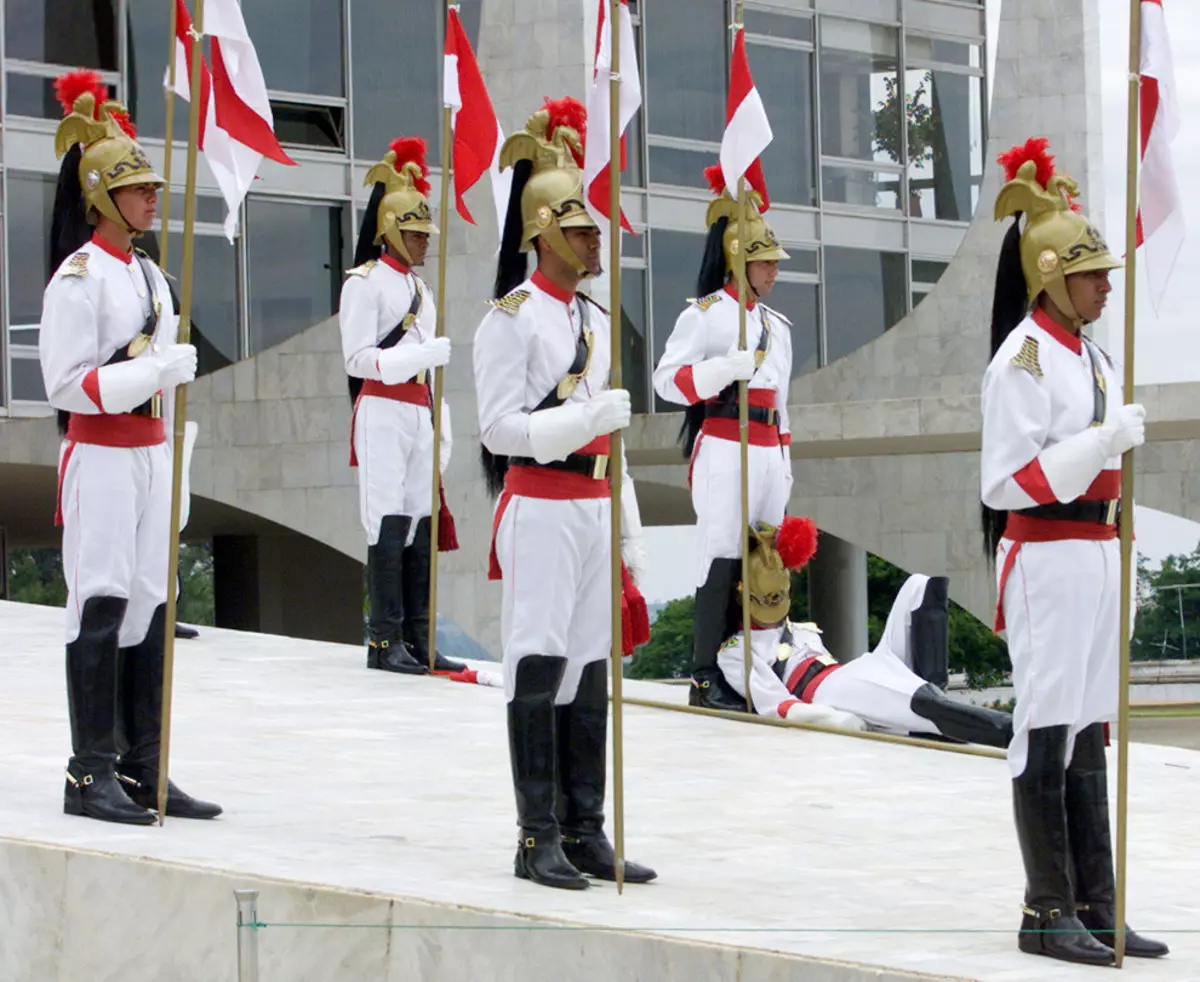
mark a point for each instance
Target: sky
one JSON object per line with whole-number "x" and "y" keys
{"x": 1168, "y": 348}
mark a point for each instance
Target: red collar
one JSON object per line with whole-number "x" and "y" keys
{"x": 1060, "y": 334}
{"x": 548, "y": 286}
{"x": 732, "y": 290}
{"x": 399, "y": 267}
{"x": 103, "y": 243}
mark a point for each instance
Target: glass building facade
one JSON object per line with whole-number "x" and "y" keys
{"x": 878, "y": 109}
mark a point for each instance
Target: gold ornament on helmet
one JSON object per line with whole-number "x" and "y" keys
{"x": 110, "y": 156}
{"x": 776, "y": 553}
{"x": 404, "y": 206}
{"x": 552, "y": 198}
{"x": 761, "y": 243}
{"x": 1057, "y": 240}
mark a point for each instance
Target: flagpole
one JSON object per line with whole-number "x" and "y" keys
{"x": 1131, "y": 208}
{"x": 739, "y": 265}
{"x": 180, "y": 412}
{"x": 439, "y": 331}
{"x": 616, "y": 381}
{"x": 168, "y": 139}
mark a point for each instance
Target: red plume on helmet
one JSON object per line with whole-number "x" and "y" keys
{"x": 69, "y": 87}
{"x": 715, "y": 177}
{"x": 796, "y": 542}
{"x": 412, "y": 150}
{"x": 1037, "y": 149}
{"x": 567, "y": 112}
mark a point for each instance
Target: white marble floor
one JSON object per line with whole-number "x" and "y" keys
{"x": 786, "y": 840}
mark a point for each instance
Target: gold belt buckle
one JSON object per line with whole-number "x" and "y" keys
{"x": 600, "y": 467}
{"x": 156, "y": 406}
{"x": 772, "y": 416}
{"x": 1110, "y": 517}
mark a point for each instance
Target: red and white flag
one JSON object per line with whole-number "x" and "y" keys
{"x": 597, "y": 177}
{"x": 747, "y": 129}
{"x": 1161, "y": 226}
{"x": 237, "y": 124}
{"x": 477, "y": 133}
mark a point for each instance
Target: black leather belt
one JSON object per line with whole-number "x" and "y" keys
{"x": 1101, "y": 512}
{"x": 595, "y": 467}
{"x": 810, "y": 673}
{"x": 757, "y": 414}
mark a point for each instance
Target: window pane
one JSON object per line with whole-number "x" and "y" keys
{"x": 675, "y": 264}
{"x": 800, "y": 260}
{"x": 865, "y": 294}
{"x": 309, "y": 126}
{"x": 945, "y": 144}
{"x": 799, "y": 303}
{"x": 634, "y": 351}
{"x": 869, "y": 188}
{"x": 300, "y": 43}
{"x": 32, "y": 96}
{"x": 685, "y": 69}
{"x": 146, "y": 54}
{"x": 65, "y": 32}
{"x": 684, "y": 168}
{"x": 922, "y": 50}
{"x": 30, "y": 204}
{"x": 296, "y": 256}
{"x": 27, "y": 382}
{"x": 860, "y": 108}
{"x": 784, "y": 80}
{"x": 927, "y": 271}
{"x": 778, "y": 25}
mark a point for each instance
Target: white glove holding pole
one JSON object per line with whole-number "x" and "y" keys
{"x": 176, "y": 364}
{"x": 556, "y": 433}
{"x": 402, "y": 361}
{"x": 1073, "y": 464}
{"x": 714, "y": 374}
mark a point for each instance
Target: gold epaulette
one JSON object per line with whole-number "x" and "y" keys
{"x": 363, "y": 269}
{"x": 510, "y": 302}
{"x": 1027, "y": 358}
{"x": 76, "y": 265}
{"x": 705, "y": 302}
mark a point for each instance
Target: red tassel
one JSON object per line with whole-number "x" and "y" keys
{"x": 69, "y": 87}
{"x": 1034, "y": 149}
{"x": 447, "y": 536}
{"x": 412, "y": 150}
{"x": 635, "y": 616}
{"x": 796, "y": 542}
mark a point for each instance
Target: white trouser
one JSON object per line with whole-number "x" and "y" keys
{"x": 1061, "y": 607}
{"x": 877, "y": 687}
{"x": 394, "y": 445}
{"x": 116, "y": 505}
{"x": 717, "y": 495}
{"x": 557, "y": 585}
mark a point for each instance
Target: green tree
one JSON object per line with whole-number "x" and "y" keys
{"x": 668, "y": 653}
{"x": 1168, "y": 620}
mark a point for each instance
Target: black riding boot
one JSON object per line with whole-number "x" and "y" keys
{"x": 534, "y": 753}
{"x": 385, "y": 596}
{"x": 929, "y": 634}
{"x": 711, "y": 629}
{"x": 972, "y": 724}
{"x": 1091, "y": 846}
{"x": 141, "y": 714}
{"x": 582, "y": 743}
{"x": 1050, "y": 926}
{"x": 93, "y": 673}
{"x": 416, "y": 602}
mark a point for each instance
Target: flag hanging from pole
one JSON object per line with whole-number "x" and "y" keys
{"x": 1160, "y": 224}
{"x": 477, "y": 133}
{"x": 597, "y": 177}
{"x": 747, "y": 129}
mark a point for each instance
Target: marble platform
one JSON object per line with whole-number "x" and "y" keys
{"x": 375, "y": 816}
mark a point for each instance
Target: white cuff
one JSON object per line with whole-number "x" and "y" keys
{"x": 710, "y": 377}
{"x": 400, "y": 363}
{"x": 127, "y": 384}
{"x": 1072, "y": 465}
{"x": 555, "y": 433}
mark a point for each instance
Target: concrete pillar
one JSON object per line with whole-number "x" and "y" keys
{"x": 289, "y": 585}
{"x": 837, "y": 596}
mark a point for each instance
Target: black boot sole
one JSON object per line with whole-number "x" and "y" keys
{"x": 79, "y": 808}
{"x": 522, "y": 872}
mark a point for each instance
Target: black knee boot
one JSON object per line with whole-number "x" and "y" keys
{"x": 929, "y": 634}
{"x": 385, "y": 597}
{"x": 416, "y": 602}
{"x": 141, "y": 715}
{"x": 582, "y": 746}
{"x": 961, "y": 721}
{"x": 93, "y": 674}
{"x": 533, "y": 749}
{"x": 1050, "y": 926}
{"x": 711, "y": 629}
{"x": 1091, "y": 846}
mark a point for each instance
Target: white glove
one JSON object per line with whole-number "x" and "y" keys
{"x": 1124, "y": 429}
{"x": 1073, "y": 464}
{"x": 437, "y": 351}
{"x": 824, "y": 716}
{"x": 127, "y": 384}
{"x": 712, "y": 375}
{"x": 446, "y": 446}
{"x": 402, "y": 361}
{"x": 608, "y": 411}
{"x": 176, "y": 365}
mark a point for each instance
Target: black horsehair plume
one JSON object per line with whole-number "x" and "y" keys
{"x": 713, "y": 272}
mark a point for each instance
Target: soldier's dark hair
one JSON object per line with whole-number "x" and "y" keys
{"x": 69, "y": 227}
{"x": 366, "y": 248}
{"x": 1010, "y": 305}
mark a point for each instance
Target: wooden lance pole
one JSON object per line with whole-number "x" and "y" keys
{"x": 179, "y": 417}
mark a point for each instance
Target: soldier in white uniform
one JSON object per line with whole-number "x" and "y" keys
{"x": 388, "y": 318}
{"x": 545, "y": 416}
{"x": 794, "y": 676}
{"x": 111, "y": 363}
{"x": 700, "y": 369}
{"x": 1054, "y": 428}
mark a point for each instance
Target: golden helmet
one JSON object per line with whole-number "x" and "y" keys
{"x": 776, "y": 553}
{"x": 110, "y": 156}
{"x": 552, "y": 198}
{"x": 1058, "y": 239}
{"x": 761, "y": 243}
{"x": 404, "y": 205}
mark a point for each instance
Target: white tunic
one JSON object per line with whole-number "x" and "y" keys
{"x": 373, "y": 304}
